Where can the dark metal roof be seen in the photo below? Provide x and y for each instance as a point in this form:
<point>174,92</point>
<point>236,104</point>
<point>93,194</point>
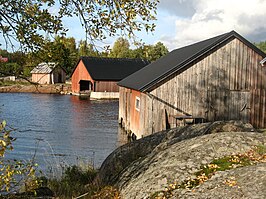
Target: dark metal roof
<point>176,61</point>
<point>111,69</point>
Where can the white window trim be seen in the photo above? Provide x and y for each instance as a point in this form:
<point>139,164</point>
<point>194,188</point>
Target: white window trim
<point>137,99</point>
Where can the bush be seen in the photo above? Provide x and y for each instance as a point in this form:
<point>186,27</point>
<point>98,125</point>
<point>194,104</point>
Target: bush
<point>14,173</point>
<point>74,182</point>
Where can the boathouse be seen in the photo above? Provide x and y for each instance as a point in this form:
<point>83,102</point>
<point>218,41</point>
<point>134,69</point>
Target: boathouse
<point>221,78</point>
<point>99,76</point>
<point>48,73</point>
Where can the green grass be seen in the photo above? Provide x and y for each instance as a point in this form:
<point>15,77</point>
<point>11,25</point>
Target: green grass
<point>73,183</point>
<point>11,83</point>
<point>260,149</point>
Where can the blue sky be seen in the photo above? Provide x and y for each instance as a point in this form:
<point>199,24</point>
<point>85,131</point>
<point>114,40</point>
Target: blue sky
<point>182,22</point>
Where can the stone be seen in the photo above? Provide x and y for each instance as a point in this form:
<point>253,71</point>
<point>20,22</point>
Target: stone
<point>142,168</point>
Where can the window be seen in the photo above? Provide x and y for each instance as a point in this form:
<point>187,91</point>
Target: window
<point>137,103</point>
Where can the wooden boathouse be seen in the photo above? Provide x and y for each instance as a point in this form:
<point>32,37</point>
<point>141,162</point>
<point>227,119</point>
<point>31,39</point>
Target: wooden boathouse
<point>48,73</point>
<point>221,78</point>
<point>100,75</point>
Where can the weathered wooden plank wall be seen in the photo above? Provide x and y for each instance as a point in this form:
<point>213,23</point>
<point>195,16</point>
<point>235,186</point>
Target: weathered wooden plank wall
<point>258,108</point>
<point>218,87</point>
<point>124,107</point>
<point>106,86</point>
<point>227,84</point>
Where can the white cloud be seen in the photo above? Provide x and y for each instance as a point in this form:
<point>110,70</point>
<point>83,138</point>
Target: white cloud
<point>214,17</point>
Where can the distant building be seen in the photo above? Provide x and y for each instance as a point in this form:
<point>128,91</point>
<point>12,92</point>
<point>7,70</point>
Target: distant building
<point>48,73</point>
<point>221,78</point>
<point>100,75</point>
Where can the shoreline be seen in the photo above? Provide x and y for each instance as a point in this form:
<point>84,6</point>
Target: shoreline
<point>41,88</point>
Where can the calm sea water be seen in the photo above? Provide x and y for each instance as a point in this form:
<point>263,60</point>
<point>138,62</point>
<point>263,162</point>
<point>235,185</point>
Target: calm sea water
<point>61,130</point>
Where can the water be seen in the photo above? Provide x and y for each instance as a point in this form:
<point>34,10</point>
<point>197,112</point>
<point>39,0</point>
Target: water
<point>60,130</point>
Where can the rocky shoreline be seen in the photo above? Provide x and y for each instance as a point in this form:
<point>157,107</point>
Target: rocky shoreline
<point>147,167</point>
<point>37,88</point>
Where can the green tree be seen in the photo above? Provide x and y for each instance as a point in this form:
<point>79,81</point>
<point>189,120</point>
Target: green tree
<point>55,51</point>
<point>150,52</point>
<point>27,21</point>
<point>70,44</point>
<point>86,49</point>
<point>261,45</point>
<point>16,63</point>
<point>120,49</point>
<point>157,51</point>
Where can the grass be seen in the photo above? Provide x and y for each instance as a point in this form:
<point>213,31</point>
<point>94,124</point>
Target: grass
<point>256,155</point>
<point>262,131</point>
<point>11,83</point>
<point>73,183</point>
<point>77,182</point>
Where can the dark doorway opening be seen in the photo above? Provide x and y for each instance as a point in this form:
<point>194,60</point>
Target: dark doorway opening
<point>60,78</point>
<point>85,85</point>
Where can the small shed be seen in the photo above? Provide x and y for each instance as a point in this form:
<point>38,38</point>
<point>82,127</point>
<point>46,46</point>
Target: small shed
<point>102,74</point>
<point>221,78</point>
<point>48,73</point>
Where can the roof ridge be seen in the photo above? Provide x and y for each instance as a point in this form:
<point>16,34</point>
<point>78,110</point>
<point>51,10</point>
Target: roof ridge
<point>112,58</point>
<point>179,60</point>
<point>224,35</point>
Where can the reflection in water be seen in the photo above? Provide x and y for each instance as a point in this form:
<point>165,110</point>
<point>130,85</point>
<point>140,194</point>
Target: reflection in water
<point>61,130</point>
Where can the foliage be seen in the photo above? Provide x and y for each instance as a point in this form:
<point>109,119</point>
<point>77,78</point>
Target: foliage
<point>55,51</point>
<point>157,51</point>
<point>73,182</point>
<point>261,45</point>
<point>64,51</point>
<point>107,192</point>
<point>120,48</point>
<point>254,156</point>
<point>85,49</point>
<point>14,173</point>
<point>15,65</point>
<point>79,183</point>
<point>27,21</point>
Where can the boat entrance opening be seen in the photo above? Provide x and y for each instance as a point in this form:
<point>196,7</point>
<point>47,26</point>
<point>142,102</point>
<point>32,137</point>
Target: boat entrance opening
<point>85,85</point>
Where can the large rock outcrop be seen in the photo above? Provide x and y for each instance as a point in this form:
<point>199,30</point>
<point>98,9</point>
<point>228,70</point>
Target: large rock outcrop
<point>148,165</point>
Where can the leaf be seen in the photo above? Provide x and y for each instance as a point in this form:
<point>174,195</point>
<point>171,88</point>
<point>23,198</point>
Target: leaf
<point>3,123</point>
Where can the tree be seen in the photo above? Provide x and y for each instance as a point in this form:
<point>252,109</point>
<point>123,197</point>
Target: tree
<point>150,52</point>
<point>16,63</point>
<point>86,49</point>
<point>55,51</point>
<point>261,45</point>
<point>157,51</point>
<point>120,48</point>
<point>13,173</point>
<point>27,21</point>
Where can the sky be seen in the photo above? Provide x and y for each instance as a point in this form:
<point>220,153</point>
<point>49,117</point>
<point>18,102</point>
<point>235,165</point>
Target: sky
<point>183,22</point>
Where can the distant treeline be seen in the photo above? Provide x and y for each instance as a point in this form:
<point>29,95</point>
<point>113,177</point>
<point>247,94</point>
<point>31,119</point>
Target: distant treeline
<point>66,52</point>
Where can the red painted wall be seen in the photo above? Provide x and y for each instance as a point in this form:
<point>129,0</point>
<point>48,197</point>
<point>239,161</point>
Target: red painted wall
<point>80,73</point>
<point>135,114</point>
